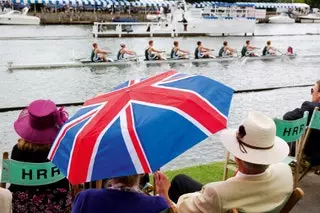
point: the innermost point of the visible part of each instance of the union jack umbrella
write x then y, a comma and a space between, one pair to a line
140, 127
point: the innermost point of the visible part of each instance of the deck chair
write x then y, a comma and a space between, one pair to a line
229, 164
28, 174
286, 207
313, 124
293, 131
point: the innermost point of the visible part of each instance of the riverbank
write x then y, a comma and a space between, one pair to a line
83, 17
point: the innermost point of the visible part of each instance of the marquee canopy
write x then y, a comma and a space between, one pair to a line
144, 3
105, 3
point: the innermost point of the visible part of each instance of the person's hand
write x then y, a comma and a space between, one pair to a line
162, 183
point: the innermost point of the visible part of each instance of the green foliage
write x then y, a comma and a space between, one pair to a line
313, 3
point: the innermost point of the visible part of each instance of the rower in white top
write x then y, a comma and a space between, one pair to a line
226, 51
268, 49
153, 54
124, 51
248, 50
98, 55
202, 52
177, 53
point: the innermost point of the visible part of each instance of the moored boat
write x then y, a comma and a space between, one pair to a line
15, 17
186, 20
283, 18
310, 18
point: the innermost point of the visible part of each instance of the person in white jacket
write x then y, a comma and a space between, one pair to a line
260, 185
5, 201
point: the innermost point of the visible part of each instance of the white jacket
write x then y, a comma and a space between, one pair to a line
250, 193
5, 201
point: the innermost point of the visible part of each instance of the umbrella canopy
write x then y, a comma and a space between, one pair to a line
140, 126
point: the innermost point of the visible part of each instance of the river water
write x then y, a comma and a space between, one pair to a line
40, 44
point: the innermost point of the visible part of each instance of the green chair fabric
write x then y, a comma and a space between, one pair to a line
291, 131
29, 174
315, 120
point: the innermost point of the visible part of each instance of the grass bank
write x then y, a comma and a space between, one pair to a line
203, 173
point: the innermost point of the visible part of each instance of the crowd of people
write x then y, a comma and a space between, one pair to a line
261, 183
5, 5
55, 7
100, 55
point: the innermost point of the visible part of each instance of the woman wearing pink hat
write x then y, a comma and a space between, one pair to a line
37, 126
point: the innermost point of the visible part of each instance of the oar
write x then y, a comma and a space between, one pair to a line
284, 56
244, 60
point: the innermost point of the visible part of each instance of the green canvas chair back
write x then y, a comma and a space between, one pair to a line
28, 174
291, 131
315, 119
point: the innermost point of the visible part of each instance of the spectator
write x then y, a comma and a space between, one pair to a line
121, 195
5, 200
312, 147
185, 23
258, 185
2, 6
38, 125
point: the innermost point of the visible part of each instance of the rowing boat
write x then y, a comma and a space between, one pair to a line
86, 63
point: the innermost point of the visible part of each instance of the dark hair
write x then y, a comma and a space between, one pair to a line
175, 43
268, 42
94, 44
318, 83
150, 42
247, 41
225, 43
198, 43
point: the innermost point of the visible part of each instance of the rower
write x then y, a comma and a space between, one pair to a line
289, 51
225, 50
124, 51
98, 55
268, 50
153, 54
202, 52
176, 52
247, 50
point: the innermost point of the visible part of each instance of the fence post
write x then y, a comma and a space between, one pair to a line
5, 156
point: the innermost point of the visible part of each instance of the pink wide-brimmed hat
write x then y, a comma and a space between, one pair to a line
40, 122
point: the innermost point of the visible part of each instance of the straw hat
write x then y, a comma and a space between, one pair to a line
40, 122
255, 141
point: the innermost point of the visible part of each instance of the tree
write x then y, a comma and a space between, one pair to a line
313, 3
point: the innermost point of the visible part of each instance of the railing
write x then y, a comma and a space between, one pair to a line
143, 28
